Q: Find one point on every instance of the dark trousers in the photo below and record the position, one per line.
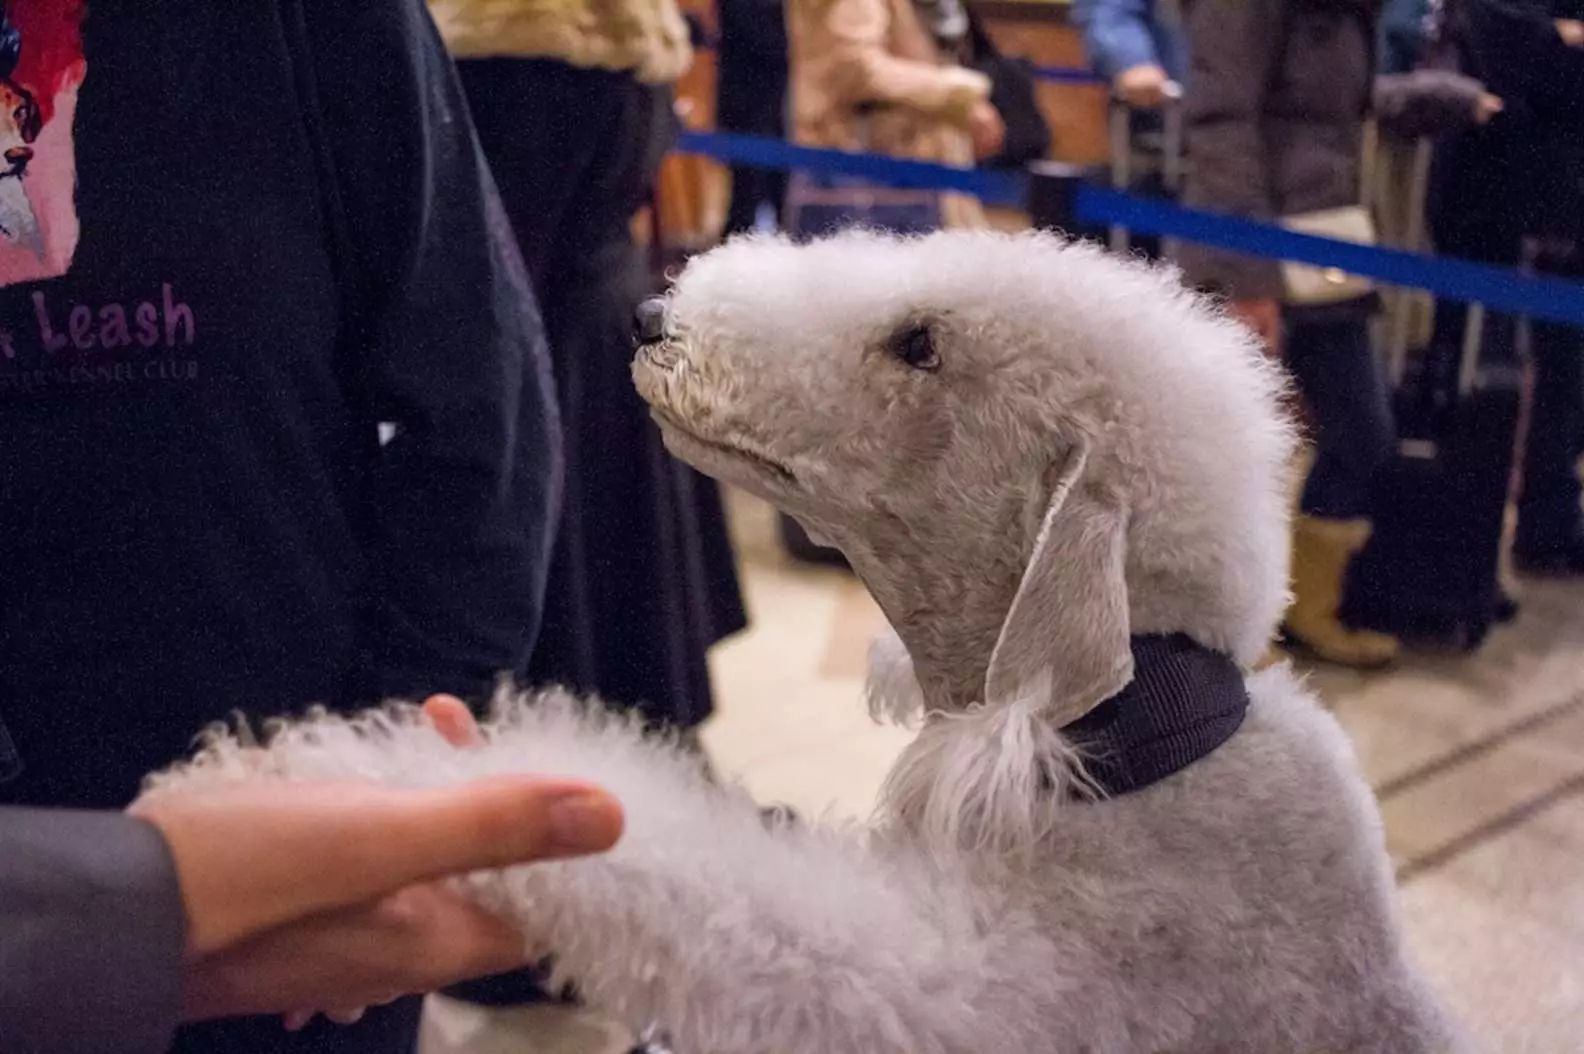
(1548, 507)
(752, 188)
(642, 578)
(1344, 389)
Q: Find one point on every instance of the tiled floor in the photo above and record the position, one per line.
(1479, 764)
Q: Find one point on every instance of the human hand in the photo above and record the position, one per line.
(1486, 107)
(453, 720)
(1263, 317)
(334, 897)
(986, 129)
(1143, 87)
(1571, 30)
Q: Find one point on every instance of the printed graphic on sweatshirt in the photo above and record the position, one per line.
(41, 68)
(50, 341)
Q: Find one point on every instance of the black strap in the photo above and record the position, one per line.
(1184, 701)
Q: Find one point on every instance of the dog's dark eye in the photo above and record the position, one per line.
(916, 347)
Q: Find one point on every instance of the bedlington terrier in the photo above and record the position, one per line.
(1064, 480)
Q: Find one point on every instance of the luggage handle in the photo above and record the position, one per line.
(1473, 341)
(1401, 316)
(1474, 329)
(1121, 133)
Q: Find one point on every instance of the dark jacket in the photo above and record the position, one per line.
(1524, 173)
(197, 515)
(1277, 95)
(751, 82)
(91, 934)
(267, 230)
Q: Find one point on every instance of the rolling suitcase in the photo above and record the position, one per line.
(1431, 569)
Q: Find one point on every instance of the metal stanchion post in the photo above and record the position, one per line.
(1121, 129)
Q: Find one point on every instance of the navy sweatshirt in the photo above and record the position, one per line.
(281, 235)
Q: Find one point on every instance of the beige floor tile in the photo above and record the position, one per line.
(858, 619)
(1487, 789)
(838, 777)
(451, 1027)
(794, 716)
(1516, 979)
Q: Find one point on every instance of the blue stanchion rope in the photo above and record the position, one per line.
(1499, 289)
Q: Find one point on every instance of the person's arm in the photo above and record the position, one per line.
(1235, 46)
(863, 70)
(1523, 54)
(91, 934)
(1430, 102)
(447, 346)
(1116, 35)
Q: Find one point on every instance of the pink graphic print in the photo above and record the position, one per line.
(41, 69)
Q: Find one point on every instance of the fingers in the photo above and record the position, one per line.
(453, 720)
(314, 848)
(298, 1020)
(416, 941)
(494, 823)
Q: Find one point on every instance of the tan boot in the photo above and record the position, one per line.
(1322, 550)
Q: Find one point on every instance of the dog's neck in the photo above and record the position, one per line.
(947, 608)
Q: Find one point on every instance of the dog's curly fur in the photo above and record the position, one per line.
(1085, 452)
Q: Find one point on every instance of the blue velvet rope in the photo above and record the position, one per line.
(1499, 289)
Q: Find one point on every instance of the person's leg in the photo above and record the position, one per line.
(1550, 536)
(1345, 393)
(1343, 387)
(747, 194)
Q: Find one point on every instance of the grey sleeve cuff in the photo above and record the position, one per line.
(92, 931)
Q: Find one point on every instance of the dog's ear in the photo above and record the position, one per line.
(1067, 632)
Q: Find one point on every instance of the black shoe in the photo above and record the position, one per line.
(1506, 608)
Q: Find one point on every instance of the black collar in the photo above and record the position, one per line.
(1184, 701)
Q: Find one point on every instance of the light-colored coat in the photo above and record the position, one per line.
(648, 38)
(848, 55)
(1030, 451)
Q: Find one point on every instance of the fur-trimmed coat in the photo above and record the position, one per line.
(646, 37)
(867, 76)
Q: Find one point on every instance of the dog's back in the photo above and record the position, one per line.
(1243, 906)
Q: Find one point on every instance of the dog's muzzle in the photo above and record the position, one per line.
(649, 322)
(649, 334)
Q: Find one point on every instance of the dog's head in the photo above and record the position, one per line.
(1087, 448)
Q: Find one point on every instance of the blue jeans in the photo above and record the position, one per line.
(1342, 385)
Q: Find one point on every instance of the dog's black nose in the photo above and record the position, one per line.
(649, 324)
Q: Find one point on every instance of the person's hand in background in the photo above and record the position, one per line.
(305, 897)
(1143, 87)
(986, 129)
(1486, 107)
(1263, 317)
(1571, 30)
